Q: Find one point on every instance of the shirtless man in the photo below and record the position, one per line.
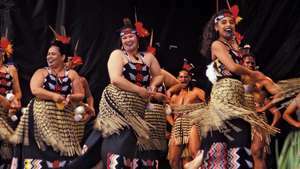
(258, 90)
(187, 137)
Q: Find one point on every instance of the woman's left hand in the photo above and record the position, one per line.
(160, 97)
(15, 104)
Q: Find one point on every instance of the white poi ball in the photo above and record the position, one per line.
(168, 109)
(79, 110)
(10, 96)
(77, 117)
(14, 118)
(24, 109)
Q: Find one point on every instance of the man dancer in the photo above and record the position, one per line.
(185, 140)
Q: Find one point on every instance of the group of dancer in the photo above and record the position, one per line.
(229, 130)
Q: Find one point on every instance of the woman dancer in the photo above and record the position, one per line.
(225, 124)
(48, 134)
(122, 106)
(10, 95)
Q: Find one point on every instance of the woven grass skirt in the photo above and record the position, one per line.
(124, 129)
(48, 136)
(228, 102)
(5, 133)
(289, 90)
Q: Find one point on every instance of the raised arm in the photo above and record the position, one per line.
(169, 79)
(200, 94)
(175, 89)
(270, 86)
(291, 109)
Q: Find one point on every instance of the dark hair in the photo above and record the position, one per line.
(210, 34)
(183, 70)
(248, 55)
(64, 49)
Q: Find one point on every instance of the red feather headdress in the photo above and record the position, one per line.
(75, 60)
(61, 37)
(6, 45)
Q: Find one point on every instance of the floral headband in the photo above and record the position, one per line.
(222, 16)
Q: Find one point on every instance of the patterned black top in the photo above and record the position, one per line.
(6, 82)
(61, 85)
(137, 73)
(220, 67)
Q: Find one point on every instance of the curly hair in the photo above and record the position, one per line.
(210, 34)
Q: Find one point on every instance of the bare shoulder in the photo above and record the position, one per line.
(41, 71)
(73, 74)
(148, 57)
(217, 45)
(83, 80)
(116, 56)
(116, 52)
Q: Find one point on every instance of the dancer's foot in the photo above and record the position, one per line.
(196, 162)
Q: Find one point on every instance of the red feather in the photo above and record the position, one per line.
(235, 11)
(239, 37)
(142, 32)
(63, 39)
(4, 43)
(151, 50)
(76, 60)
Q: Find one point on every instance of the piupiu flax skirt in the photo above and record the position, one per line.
(256, 131)
(46, 137)
(182, 127)
(5, 132)
(225, 127)
(122, 123)
(289, 90)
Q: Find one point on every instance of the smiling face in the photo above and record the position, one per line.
(225, 27)
(54, 57)
(130, 42)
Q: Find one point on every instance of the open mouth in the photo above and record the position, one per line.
(229, 30)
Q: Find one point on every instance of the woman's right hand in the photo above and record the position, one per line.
(57, 98)
(143, 92)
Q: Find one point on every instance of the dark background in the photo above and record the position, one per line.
(271, 27)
